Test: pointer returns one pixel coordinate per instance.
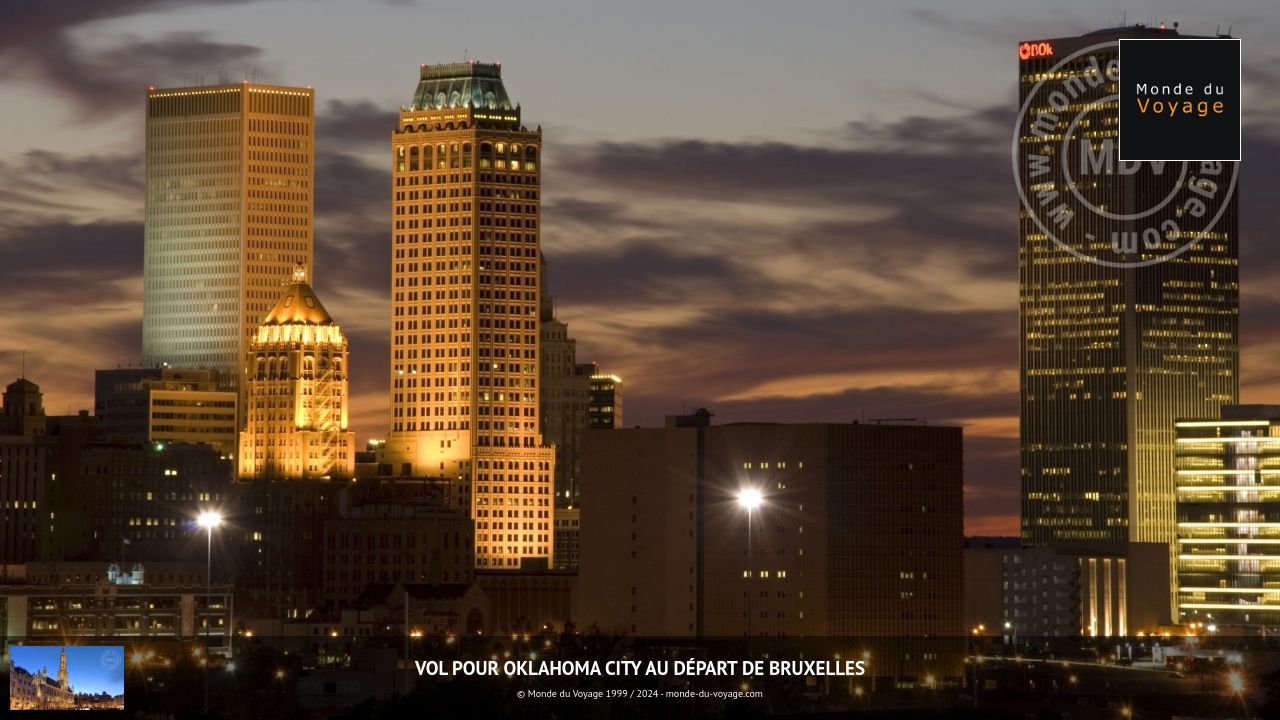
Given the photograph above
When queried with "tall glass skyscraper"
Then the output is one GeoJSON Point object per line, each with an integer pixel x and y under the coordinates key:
{"type": "Point", "coordinates": [1126, 324]}
{"type": "Point", "coordinates": [464, 310]}
{"type": "Point", "coordinates": [229, 208]}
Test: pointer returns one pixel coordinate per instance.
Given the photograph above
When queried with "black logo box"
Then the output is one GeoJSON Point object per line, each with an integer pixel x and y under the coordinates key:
{"type": "Point", "coordinates": [1180, 61]}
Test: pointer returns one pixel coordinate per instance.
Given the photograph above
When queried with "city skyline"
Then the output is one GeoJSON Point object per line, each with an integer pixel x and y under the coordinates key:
{"type": "Point", "coordinates": [775, 295]}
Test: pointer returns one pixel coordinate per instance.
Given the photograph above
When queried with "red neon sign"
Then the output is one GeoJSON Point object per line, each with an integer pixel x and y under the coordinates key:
{"type": "Point", "coordinates": [1028, 50]}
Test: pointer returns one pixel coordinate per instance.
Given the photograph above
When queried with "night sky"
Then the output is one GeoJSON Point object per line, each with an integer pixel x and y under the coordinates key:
{"type": "Point", "coordinates": [779, 211]}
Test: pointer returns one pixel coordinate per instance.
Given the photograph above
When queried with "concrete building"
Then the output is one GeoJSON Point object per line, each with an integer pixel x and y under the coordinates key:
{"type": "Point", "coordinates": [858, 532]}
{"type": "Point", "coordinates": [564, 393]}
{"type": "Point", "coordinates": [1028, 594]}
{"type": "Point", "coordinates": [568, 524]}
{"type": "Point", "coordinates": [389, 543]}
{"type": "Point", "coordinates": [1228, 486]}
{"type": "Point", "coordinates": [115, 606]}
{"type": "Point", "coordinates": [465, 302]}
{"type": "Point", "coordinates": [230, 173]}
{"type": "Point", "coordinates": [296, 395]}
{"type": "Point", "coordinates": [129, 498]}
{"type": "Point", "coordinates": [166, 405]}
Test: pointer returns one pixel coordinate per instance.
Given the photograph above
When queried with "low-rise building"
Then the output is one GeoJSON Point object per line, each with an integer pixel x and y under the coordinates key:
{"type": "Point", "coordinates": [116, 606]}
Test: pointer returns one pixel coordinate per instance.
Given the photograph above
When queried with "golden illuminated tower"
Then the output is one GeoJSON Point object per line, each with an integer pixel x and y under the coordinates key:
{"type": "Point", "coordinates": [229, 208]}
{"type": "Point", "coordinates": [296, 393]}
{"type": "Point", "coordinates": [464, 324]}
{"type": "Point", "coordinates": [1112, 355]}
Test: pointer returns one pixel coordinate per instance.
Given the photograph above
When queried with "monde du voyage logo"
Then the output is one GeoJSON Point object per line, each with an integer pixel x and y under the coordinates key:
{"type": "Point", "coordinates": [1076, 190]}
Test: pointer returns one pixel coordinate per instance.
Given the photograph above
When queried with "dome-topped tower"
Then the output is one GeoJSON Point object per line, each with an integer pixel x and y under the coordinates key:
{"type": "Point", "coordinates": [296, 392]}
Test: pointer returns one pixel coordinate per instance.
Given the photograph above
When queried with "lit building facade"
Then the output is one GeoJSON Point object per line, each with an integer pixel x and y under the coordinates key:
{"type": "Point", "coordinates": [39, 611]}
{"type": "Point", "coordinates": [1111, 356]}
{"type": "Point", "coordinates": [296, 393]}
{"type": "Point", "coordinates": [1228, 485]}
{"type": "Point", "coordinates": [465, 296]}
{"type": "Point", "coordinates": [40, 691]}
{"type": "Point", "coordinates": [169, 405]}
{"type": "Point", "coordinates": [1030, 594]}
{"type": "Point", "coordinates": [229, 207]}
{"type": "Point", "coordinates": [605, 412]}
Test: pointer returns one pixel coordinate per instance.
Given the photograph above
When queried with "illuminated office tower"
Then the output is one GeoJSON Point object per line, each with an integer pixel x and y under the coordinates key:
{"type": "Point", "coordinates": [1228, 472]}
{"type": "Point", "coordinates": [465, 285]}
{"type": "Point", "coordinates": [1111, 356]}
{"type": "Point", "coordinates": [295, 394]}
{"type": "Point", "coordinates": [229, 207]}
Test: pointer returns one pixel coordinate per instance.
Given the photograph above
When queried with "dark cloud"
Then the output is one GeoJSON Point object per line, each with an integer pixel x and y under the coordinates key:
{"type": "Point", "coordinates": [55, 263]}
{"type": "Point", "coordinates": [42, 184]}
{"type": "Point", "coordinates": [115, 79]}
{"type": "Point", "coordinates": [36, 42]}
{"type": "Point", "coordinates": [341, 125]}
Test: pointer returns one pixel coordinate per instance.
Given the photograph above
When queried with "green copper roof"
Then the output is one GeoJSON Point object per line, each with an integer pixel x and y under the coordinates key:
{"type": "Point", "coordinates": [459, 85]}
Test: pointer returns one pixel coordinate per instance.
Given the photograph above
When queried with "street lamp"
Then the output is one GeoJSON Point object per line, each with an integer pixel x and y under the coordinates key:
{"type": "Point", "coordinates": [749, 499]}
{"type": "Point", "coordinates": [208, 519]}
{"type": "Point", "coordinates": [1235, 681]}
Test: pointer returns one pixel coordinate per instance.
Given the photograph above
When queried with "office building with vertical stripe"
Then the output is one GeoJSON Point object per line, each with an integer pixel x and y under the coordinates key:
{"type": "Point", "coordinates": [230, 172]}
{"type": "Point", "coordinates": [1118, 340]}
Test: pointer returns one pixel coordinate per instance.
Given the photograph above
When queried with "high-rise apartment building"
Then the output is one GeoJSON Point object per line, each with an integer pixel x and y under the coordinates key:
{"type": "Point", "coordinates": [465, 295]}
{"type": "Point", "coordinates": [295, 393]}
{"type": "Point", "coordinates": [1228, 484]}
{"type": "Point", "coordinates": [1118, 340]}
{"type": "Point", "coordinates": [229, 208]}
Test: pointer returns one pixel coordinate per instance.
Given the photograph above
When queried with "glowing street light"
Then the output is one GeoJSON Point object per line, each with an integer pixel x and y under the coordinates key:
{"type": "Point", "coordinates": [208, 519]}
{"type": "Point", "coordinates": [1235, 681]}
{"type": "Point", "coordinates": [749, 499]}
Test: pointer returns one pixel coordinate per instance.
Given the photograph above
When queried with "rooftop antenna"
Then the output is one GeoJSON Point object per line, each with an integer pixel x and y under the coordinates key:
{"type": "Point", "coordinates": [24, 363]}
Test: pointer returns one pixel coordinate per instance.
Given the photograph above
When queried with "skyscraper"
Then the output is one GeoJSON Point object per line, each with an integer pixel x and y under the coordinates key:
{"type": "Point", "coordinates": [295, 395]}
{"type": "Point", "coordinates": [464, 335]}
{"type": "Point", "coordinates": [229, 207]}
{"type": "Point", "coordinates": [1118, 339]}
